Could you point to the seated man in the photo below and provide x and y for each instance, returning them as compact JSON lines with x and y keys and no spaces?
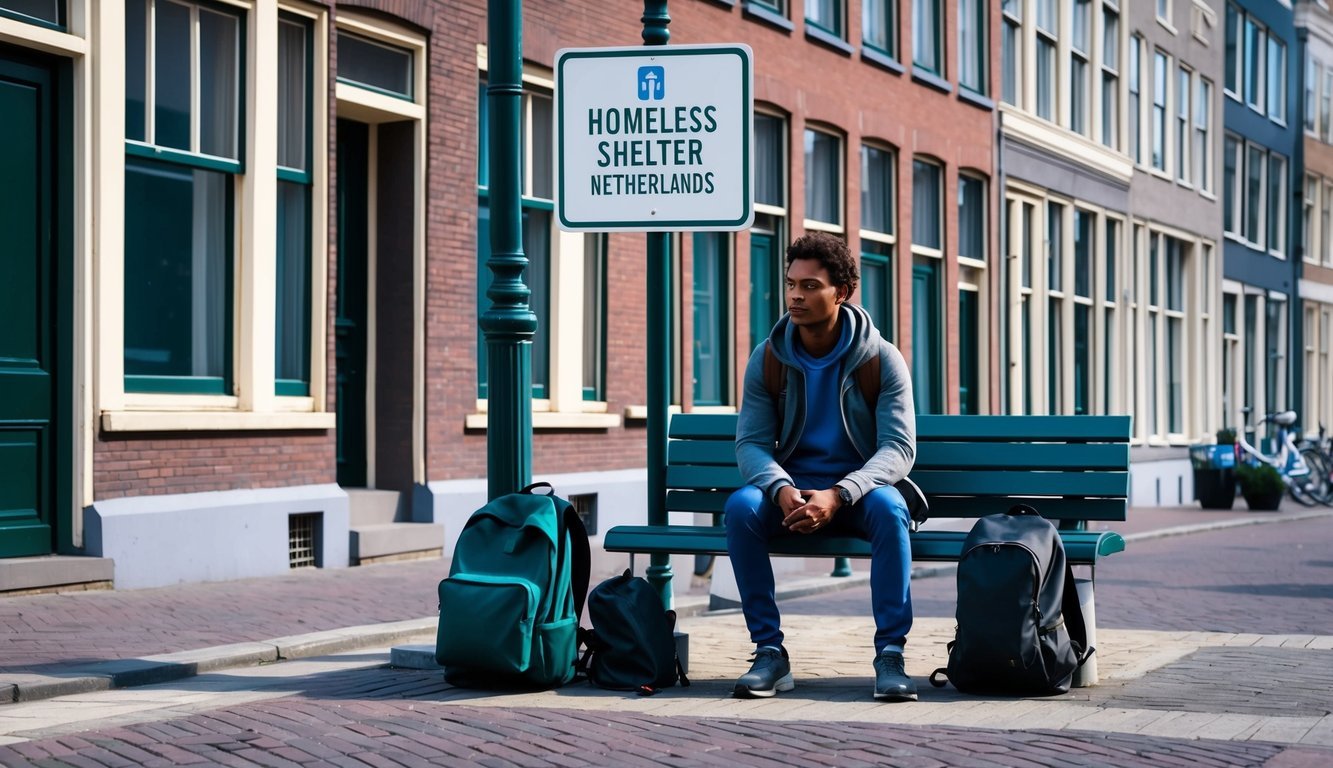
{"x":818,"y":456}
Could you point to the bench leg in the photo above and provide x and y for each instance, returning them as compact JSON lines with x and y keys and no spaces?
{"x":1086,"y":675}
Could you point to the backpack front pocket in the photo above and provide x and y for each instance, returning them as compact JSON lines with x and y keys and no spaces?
{"x":486,"y":622}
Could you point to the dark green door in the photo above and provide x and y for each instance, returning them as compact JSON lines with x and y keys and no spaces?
{"x":29,"y":249}
{"x":350,"y":324}
{"x":765,"y":300}
{"x":926,"y":385}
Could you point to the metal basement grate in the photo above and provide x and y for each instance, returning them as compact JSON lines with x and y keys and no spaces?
{"x":301,"y":530}
{"x":585,"y":504}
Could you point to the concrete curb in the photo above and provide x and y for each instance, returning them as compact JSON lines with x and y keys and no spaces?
{"x":123,"y":673}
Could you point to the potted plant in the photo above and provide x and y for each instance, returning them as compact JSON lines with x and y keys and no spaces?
{"x":1261,"y":485}
{"x":1214,"y":480}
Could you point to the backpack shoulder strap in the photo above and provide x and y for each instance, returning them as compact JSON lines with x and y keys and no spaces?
{"x":867,"y":378}
{"x":1073,"y":615}
{"x":773,"y":373}
{"x":580,"y":562}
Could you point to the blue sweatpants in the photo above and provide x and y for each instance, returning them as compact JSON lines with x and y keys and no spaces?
{"x":880,"y":517}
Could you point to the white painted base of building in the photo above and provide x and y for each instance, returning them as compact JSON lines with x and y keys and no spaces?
{"x":157,"y":541}
{"x":1165,"y":483}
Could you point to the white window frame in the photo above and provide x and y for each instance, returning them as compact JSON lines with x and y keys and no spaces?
{"x":840,"y":204}
{"x":255,"y":406}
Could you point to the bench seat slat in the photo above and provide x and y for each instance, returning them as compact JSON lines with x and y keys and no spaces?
{"x":1008,"y":429}
{"x":941,"y":507}
{"x":1081,"y":547}
{"x":719,"y":452}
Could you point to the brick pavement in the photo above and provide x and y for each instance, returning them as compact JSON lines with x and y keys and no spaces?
{"x":1162,"y":701}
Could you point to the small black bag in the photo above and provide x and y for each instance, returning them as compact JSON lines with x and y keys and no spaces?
{"x":632,"y":644}
{"x":1020,"y":628}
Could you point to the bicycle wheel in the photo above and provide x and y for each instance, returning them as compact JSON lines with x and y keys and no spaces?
{"x":1310,"y":489}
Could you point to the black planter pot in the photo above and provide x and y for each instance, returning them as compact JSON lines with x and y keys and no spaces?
{"x":1264,"y":502}
{"x":1215,"y":488}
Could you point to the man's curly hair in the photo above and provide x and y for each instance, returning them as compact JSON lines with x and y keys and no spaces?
{"x":832,"y":253}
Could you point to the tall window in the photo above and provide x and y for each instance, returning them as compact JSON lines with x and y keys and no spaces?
{"x":926,"y":35}
{"x":594,"y":316}
{"x":1277,"y":79}
{"x":1011,"y":51}
{"x":1183,"y":77}
{"x":877,"y":235}
{"x":292,"y":337}
{"x":1233,"y":52}
{"x":1325,"y":104}
{"x":537,"y":192}
{"x":1313,"y":70}
{"x":1175,"y":333}
{"x":183,"y":138}
{"x":1085,"y":224}
{"x":1110,"y":132}
{"x":972,"y":202}
{"x":927,"y":249}
{"x":879,"y":26}
{"x":1253,"y":71}
{"x":1079,"y":85}
{"x":823,"y":179}
{"x":1200,"y":146}
{"x":1159,"y":81}
{"x":1055,"y":214}
{"x":768,"y":237}
{"x":826,"y":15}
{"x":972,"y":49}
{"x":1310,"y":203}
{"x":1048,"y":30}
{"x":1232,"y":194}
{"x":712,"y":270}
{"x":1256,"y":168}
{"x":971,"y":217}
{"x":1135,"y":92}
{"x":1277,"y":205}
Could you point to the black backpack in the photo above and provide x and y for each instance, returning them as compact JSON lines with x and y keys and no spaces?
{"x":632,"y":645}
{"x":1020,"y":628}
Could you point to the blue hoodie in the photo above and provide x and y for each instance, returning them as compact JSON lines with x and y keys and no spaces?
{"x":885,"y":442}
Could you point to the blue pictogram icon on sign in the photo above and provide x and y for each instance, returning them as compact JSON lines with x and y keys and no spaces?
{"x":652,"y":84}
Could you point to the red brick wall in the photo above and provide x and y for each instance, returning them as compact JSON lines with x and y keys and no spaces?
{"x":807,"y":81}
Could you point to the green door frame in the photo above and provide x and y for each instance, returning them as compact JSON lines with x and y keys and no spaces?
{"x":50,"y":79}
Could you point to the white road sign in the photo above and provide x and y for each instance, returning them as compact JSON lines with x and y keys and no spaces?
{"x":654,"y":138}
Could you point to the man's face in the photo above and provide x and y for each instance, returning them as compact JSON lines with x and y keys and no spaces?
{"x":812,"y":299}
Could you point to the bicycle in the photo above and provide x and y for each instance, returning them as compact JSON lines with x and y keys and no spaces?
{"x":1323,"y":446}
{"x":1304,"y":470}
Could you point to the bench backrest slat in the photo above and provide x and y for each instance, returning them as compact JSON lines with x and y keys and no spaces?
{"x":1004,"y":429}
{"x":1054,"y":456}
{"x":969,"y":482}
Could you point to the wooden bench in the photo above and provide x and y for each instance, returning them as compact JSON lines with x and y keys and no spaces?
{"x":1072,"y":469}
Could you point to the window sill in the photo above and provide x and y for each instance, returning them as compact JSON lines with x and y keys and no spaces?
{"x":828,"y":40}
{"x":724,"y":3}
{"x":1168,"y":26}
{"x":767,"y":16}
{"x":554,"y":420}
{"x":882,"y":60}
{"x":640,"y":412}
{"x":976,"y":99}
{"x":214,"y":421}
{"x":926,"y":77}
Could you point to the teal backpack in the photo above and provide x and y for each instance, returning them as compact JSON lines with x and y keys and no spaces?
{"x":509,"y":611}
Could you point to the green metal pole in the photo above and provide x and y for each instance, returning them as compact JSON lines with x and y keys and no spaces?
{"x":508,"y":324}
{"x":842,"y":566}
{"x":655,"y":32}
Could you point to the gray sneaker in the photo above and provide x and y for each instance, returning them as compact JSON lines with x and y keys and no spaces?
{"x":770,"y":673}
{"x":891,"y":680}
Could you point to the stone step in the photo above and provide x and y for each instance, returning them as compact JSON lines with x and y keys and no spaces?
{"x":368,"y":506}
{"x":396,"y":541}
{"x":55,"y":573}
